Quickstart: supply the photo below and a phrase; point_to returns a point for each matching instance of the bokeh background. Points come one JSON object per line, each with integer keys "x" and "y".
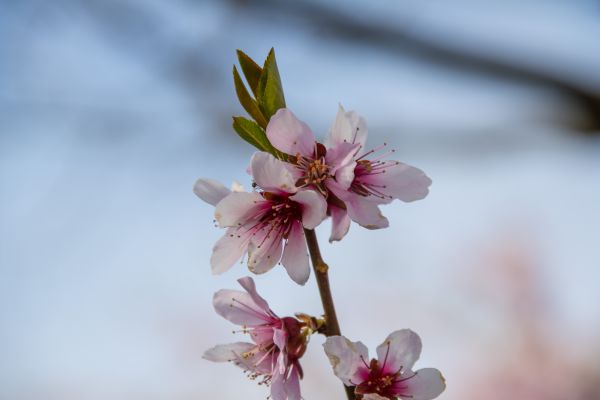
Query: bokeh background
{"x": 110, "y": 110}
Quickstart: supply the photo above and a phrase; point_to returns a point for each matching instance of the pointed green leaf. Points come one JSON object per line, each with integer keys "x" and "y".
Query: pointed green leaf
{"x": 251, "y": 70}
{"x": 254, "y": 134}
{"x": 247, "y": 101}
{"x": 270, "y": 92}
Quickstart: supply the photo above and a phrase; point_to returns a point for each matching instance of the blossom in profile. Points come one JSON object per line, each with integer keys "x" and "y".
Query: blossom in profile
{"x": 375, "y": 179}
{"x": 390, "y": 375}
{"x": 267, "y": 224}
{"x": 276, "y": 344}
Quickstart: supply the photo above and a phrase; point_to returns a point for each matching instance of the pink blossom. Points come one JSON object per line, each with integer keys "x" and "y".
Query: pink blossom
{"x": 390, "y": 376}
{"x": 267, "y": 224}
{"x": 313, "y": 165}
{"x": 375, "y": 181}
{"x": 277, "y": 343}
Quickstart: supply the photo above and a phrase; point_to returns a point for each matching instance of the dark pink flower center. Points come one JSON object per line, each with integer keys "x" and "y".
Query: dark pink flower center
{"x": 366, "y": 170}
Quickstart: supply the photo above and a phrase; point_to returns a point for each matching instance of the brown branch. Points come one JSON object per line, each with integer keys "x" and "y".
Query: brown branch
{"x": 332, "y": 326}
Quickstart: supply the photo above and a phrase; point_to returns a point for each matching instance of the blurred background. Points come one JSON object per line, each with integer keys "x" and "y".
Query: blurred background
{"x": 110, "y": 110}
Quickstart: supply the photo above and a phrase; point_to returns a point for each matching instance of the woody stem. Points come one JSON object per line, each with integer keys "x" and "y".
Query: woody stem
{"x": 332, "y": 326}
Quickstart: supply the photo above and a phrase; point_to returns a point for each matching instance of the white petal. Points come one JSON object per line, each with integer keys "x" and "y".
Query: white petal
{"x": 227, "y": 251}
{"x": 210, "y": 190}
{"x": 290, "y": 135}
{"x": 314, "y": 207}
{"x": 227, "y": 352}
{"x": 239, "y": 308}
{"x": 348, "y": 127}
{"x": 271, "y": 174}
{"x": 426, "y": 385}
{"x": 236, "y": 208}
{"x": 401, "y": 349}
{"x": 347, "y": 358}
{"x": 295, "y": 255}
{"x": 340, "y": 223}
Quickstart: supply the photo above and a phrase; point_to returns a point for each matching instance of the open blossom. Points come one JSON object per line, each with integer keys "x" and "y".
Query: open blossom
{"x": 390, "y": 375}
{"x": 353, "y": 184}
{"x": 277, "y": 343}
{"x": 267, "y": 224}
{"x": 375, "y": 181}
{"x": 313, "y": 165}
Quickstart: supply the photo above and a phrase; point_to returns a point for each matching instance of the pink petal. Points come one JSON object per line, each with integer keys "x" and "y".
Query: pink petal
{"x": 365, "y": 212}
{"x": 426, "y": 385}
{"x": 239, "y": 308}
{"x": 341, "y": 155}
{"x": 210, "y": 191}
{"x": 248, "y": 284}
{"x": 278, "y": 387}
{"x": 401, "y": 181}
{"x": 236, "y": 208}
{"x": 295, "y": 255}
{"x": 348, "y": 127}
{"x": 264, "y": 250}
{"x": 344, "y": 176}
{"x": 340, "y": 223}
{"x": 280, "y": 339}
{"x": 314, "y": 207}
{"x": 290, "y": 135}
{"x": 227, "y": 251}
{"x": 373, "y": 396}
{"x": 227, "y": 352}
{"x": 292, "y": 384}
{"x": 347, "y": 358}
{"x": 271, "y": 174}
{"x": 401, "y": 349}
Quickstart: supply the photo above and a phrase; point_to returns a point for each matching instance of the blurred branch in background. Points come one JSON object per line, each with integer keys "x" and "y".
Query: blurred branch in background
{"x": 345, "y": 23}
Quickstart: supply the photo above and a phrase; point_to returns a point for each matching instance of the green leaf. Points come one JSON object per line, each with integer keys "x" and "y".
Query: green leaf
{"x": 247, "y": 101}
{"x": 254, "y": 134}
{"x": 270, "y": 92}
{"x": 251, "y": 71}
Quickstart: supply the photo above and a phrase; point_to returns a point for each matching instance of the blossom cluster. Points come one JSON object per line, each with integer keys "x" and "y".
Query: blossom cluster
{"x": 297, "y": 183}
{"x": 337, "y": 178}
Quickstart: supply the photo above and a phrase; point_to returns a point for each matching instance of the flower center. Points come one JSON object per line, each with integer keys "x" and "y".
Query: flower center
{"x": 314, "y": 170}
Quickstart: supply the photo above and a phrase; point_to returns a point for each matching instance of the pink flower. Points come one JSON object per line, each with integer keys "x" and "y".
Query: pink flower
{"x": 267, "y": 224}
{"x": 375, "y": 181}
{"x": 277, "y": 343}
{"x": 313, "y": 165}
{"x": 390, "y": 376}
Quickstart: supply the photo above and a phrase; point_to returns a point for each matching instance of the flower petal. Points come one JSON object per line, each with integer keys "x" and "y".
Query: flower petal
{"x": 227, "y": 251}
{"x": 364, "y": 212}
{"x": 347, "y": 358}
{"x": 227, "y": 352}
{"x": 427, "y": 384}
{"x": 264, "y": 250}
{"x": 314, "y": 207}
{"x": 248, "y": 284}
{"x": 400, "y": 181}
{"x": 341, "y": 155}
{"x": 290, "y": 135}
{"x": 295, "y": 255}
{"x": 348, "y": 127}
{"x": 292, "y": 384}
{"x": 401, "y": 349}
{"x": 239, "y": 308}
{"x": 280, "y": 337}
{"x": 271, "y": 174}
{"x": 373, "y": 396}
{"x": 340, "y": 223}
{"x": 210, "y": 190}
{"x": 278, "y": 386}
{"x": 236, "y": 208}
